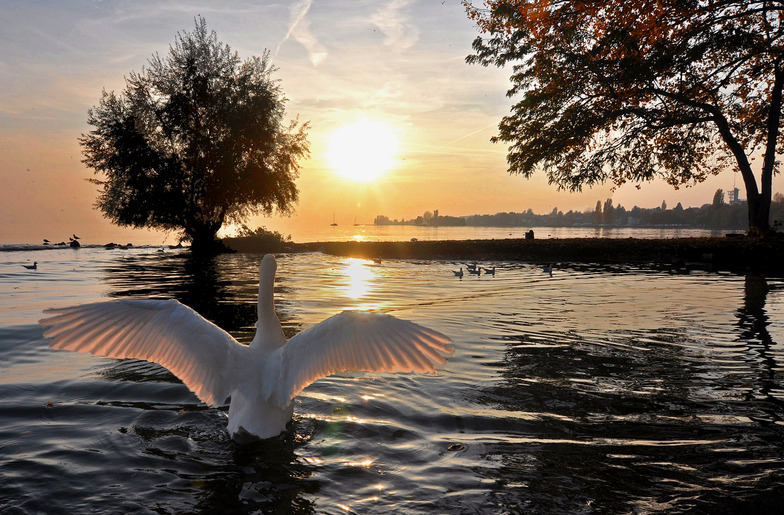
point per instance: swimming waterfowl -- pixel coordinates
(263, 378)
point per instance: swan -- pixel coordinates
(458, 273)
(34, 266)
(490, 271)
(262, 378)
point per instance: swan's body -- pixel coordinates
(262, 378)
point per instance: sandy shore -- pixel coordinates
(728, 253)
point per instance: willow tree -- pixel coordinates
(196, 139)
(630, 90)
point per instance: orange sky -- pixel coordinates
(398, 64)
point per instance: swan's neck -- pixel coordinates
(269, 332)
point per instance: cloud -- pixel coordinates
(299, 28)
(393, 21)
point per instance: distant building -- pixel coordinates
(734, 196)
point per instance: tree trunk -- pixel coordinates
(758, 202)
(759, 220)
(759, 213)
(204, 237)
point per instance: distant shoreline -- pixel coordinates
(728, 253)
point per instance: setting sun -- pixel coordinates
(363, 151)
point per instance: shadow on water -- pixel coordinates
(638, 421)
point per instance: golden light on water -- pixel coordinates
(360, 278)
(363, 463)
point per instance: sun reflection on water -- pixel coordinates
(361, 281)
(364, 463)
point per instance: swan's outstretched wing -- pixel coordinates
(361, 341)
(163, 331)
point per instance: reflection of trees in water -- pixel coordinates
(573, 402)
(594, 421)
(223, 289)
(753, 323)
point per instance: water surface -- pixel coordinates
(599, 389)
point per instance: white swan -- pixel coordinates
(262, 378)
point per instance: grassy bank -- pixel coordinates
(736, 254)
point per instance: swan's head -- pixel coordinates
(268, 266)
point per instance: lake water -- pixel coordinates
(406, 232)
(596, 390)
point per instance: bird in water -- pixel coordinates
(548, 270)
(458, 273)
(262, 378)
(34, 266)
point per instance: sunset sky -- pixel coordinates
(388, 75)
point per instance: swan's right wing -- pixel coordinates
(166, 332)
(353, 341)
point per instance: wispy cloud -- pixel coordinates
(299, 28)
(393, 21)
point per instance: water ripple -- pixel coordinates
(599, 389)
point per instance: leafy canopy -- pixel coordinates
(630, 90)
(196, 139)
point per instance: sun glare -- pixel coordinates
(363, 151)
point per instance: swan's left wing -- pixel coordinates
(163, 331)
(356, 341)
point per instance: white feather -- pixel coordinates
(261, 379)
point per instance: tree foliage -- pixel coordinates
(196, 139)
(631, 90)
(718, 198)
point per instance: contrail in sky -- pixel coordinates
(469, 134)
(300, 30)
(298, 11)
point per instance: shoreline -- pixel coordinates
(737, 254)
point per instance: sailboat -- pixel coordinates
(333, 224)
(355, 222)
